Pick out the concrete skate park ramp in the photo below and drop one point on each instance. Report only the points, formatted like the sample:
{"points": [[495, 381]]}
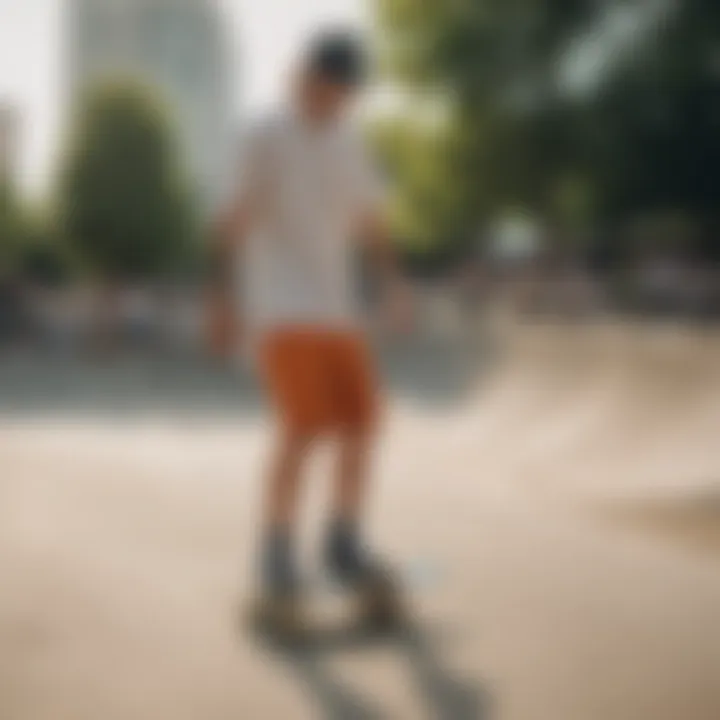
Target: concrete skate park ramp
{"points": [[561, 478], [607, 410], [622, 415]]}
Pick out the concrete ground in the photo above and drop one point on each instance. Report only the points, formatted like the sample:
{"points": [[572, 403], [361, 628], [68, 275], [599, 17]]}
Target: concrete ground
{"points": [[565, 498]]}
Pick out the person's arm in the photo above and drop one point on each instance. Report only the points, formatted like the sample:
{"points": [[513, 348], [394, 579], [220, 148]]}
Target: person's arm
{"points": [[376, 237], [227, 236], [396, 295]]}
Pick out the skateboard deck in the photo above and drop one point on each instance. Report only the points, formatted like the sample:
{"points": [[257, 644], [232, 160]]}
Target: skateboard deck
{"points": [[334, 615]]}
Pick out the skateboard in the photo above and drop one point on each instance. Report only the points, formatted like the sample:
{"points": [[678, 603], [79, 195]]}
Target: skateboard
{"points": [[328, 611]]}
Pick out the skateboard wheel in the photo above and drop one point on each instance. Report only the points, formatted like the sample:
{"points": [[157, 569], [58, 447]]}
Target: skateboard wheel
{"points": [[381, 606], [281, 619]]}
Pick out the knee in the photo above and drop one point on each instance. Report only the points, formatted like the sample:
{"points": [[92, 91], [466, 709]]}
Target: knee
{"points": [[359, 438], [294, 444]]}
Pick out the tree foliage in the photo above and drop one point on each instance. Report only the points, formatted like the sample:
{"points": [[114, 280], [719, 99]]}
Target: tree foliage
{"points": [[655, 145], [495, 64], [123, 202], [644, 141], [12, 228]]}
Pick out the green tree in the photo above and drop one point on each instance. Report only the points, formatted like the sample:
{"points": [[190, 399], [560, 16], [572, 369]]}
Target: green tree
{"points": [[123, 202], [11, 229], [509, 138], [642, 142], [419, 160], [653, 141]]}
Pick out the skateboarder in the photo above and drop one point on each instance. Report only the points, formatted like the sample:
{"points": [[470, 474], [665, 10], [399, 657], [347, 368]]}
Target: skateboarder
{"points": [[308, 193]]}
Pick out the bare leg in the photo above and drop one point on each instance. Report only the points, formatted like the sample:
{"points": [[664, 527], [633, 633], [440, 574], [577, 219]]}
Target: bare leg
{"points": [[346, 555], [279, 576], [284, 480], [352, 479]]}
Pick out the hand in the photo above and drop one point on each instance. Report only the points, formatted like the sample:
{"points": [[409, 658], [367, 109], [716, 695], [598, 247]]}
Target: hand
{"points": [[400, 308], [221, 326]]}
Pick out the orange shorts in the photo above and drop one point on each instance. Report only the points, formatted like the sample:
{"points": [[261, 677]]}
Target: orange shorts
{"points": [[320, 380]]}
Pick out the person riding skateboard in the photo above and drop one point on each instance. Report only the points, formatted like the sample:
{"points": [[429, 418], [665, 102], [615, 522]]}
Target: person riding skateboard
{"points": [[308, 194]]}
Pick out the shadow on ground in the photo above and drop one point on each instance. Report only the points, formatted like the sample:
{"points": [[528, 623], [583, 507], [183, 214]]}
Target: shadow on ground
{"points": [[32, 382], [126, 386], [435, 371], [442, 695], [692, 521]]}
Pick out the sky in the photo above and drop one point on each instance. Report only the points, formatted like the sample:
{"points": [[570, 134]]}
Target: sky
{"points": [[267, 35]]}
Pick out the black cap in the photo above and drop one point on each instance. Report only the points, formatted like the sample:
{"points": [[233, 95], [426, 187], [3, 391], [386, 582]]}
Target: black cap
{"points": [[339, 57]]}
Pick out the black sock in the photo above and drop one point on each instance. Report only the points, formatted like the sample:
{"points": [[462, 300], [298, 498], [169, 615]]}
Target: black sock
{"points": [[278, 573], [344, 548]]}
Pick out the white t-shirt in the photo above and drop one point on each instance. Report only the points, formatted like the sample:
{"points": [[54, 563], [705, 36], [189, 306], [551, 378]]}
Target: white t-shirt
{"points": [[311, 185]]}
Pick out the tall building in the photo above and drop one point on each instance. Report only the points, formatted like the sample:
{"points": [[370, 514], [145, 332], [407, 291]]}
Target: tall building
{"points": [[9, 141], [177, 46]]}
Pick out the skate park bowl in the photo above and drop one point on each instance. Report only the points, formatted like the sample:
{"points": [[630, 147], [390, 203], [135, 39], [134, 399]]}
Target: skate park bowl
{"points": [[563, 478]]}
